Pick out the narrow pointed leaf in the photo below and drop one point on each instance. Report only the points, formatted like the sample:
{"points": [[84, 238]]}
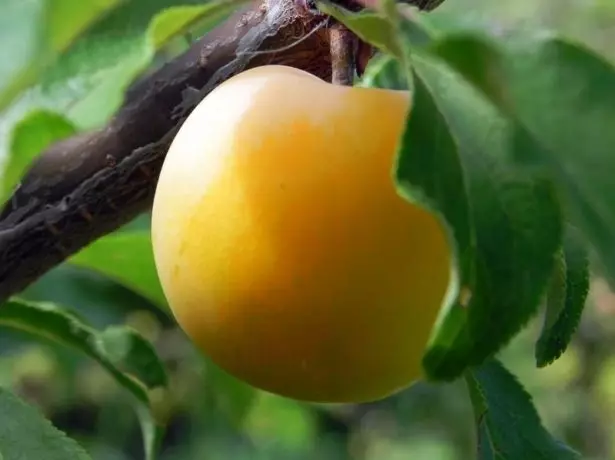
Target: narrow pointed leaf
{"points": [[566, 301], [508, 425], [128, 358], [26, 434]]}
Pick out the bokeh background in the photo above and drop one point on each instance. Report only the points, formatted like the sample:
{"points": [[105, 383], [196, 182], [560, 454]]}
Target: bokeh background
{"points": [[212, 416]]}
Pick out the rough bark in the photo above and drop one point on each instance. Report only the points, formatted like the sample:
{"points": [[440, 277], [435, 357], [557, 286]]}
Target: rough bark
{"points": [[344, 48], [90, 185]]}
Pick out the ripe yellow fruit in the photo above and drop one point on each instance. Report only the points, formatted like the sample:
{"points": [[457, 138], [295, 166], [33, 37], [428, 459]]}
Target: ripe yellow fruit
{"points": [[283, 249]]}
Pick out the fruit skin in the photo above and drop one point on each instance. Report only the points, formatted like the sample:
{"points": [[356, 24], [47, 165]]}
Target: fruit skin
{"points": [[282, 247]]}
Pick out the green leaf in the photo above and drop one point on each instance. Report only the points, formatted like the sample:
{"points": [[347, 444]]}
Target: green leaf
{"points": [[384, 71], [128, 357], [556, 294], [175, 20], [105, 61], [30, 136], [25, 434], [566, 300], [429, 170], [506, 222], [416, 30], [480, 63], [128, 258], [367, 25], [87, 83], [39, 30], [561, 96], [68, 18], [508, 425], [134, 355]]}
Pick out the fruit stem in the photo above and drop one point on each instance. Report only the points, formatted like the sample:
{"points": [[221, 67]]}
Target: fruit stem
{"points": [[343, 45]]}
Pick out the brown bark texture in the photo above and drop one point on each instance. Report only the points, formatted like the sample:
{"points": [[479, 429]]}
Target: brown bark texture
{"points": [[89, 185]]}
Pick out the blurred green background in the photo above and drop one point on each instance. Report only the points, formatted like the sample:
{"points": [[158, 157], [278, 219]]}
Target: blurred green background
{"points": [[212, 416]]}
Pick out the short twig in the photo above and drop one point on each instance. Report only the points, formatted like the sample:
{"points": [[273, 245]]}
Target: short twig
{"points": [[343, 54]]}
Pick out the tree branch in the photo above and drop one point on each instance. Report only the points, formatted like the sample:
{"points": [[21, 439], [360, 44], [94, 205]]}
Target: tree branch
{"points": [[87, 186], [343, 46]]}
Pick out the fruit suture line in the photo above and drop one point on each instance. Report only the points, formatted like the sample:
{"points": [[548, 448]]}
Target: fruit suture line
{"points": [[91, 184]]}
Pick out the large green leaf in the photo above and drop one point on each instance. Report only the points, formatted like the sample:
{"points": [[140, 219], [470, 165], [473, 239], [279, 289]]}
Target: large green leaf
{"points": [[506, 222], [102, 63], [25, 434], [128, 258], [561, 96], [508, 426], [38, 32], [126, 355], [429, 170], [30, 136], [456, 158], [86, 84]]}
